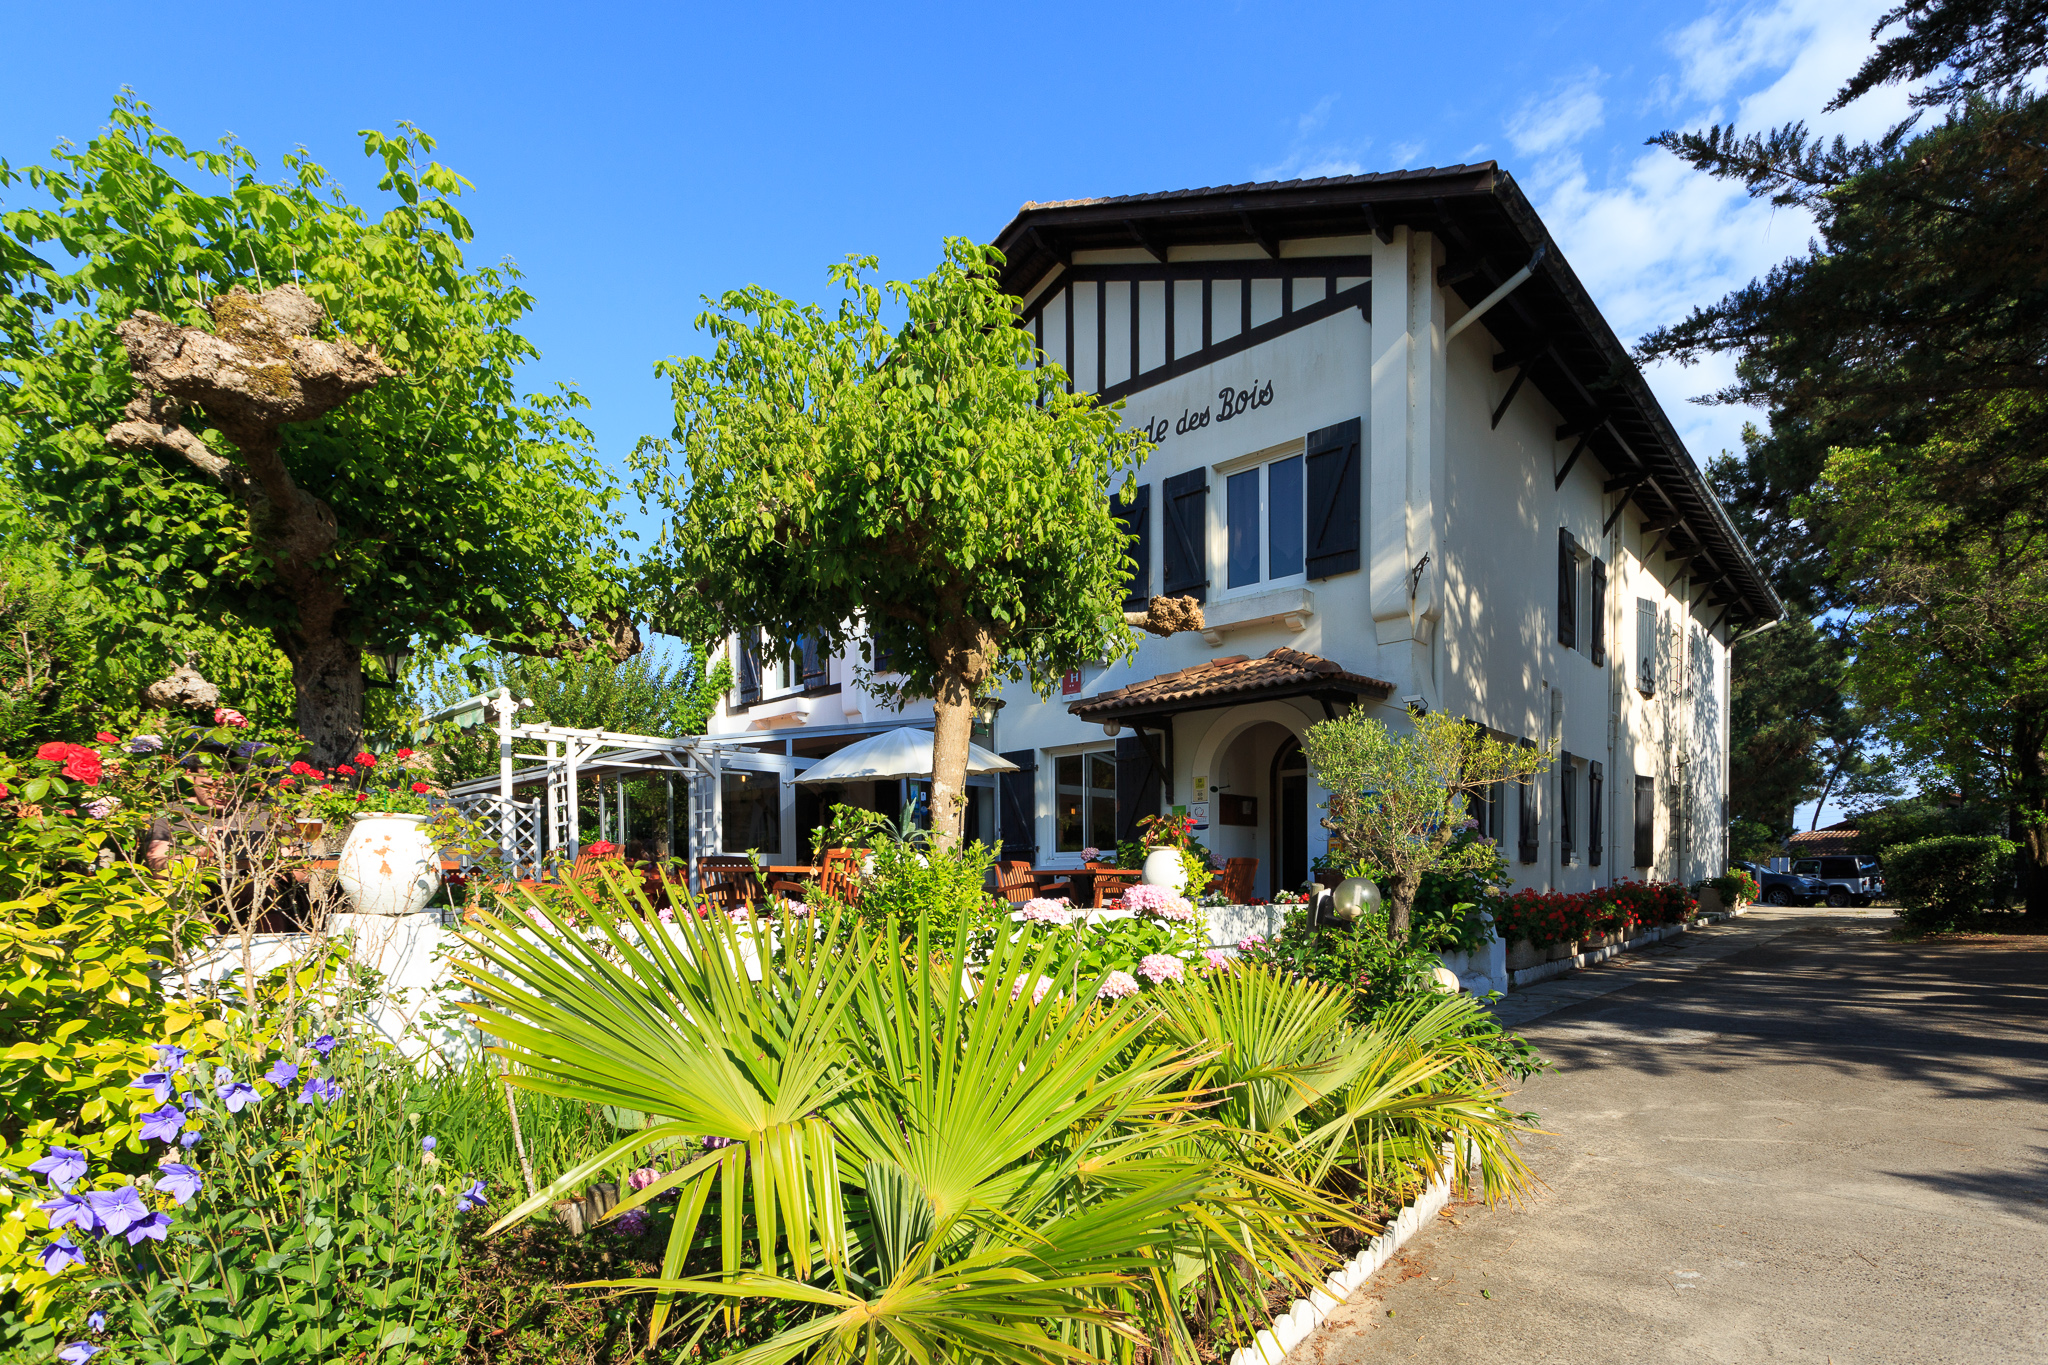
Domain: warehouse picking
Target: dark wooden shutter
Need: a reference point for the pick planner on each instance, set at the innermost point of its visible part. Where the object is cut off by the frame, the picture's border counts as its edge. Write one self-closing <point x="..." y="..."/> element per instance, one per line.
<point x="1139" y="781"/>
<point x="1567" y="781"/>
<point x="1335" y="500"/>
<point x="1184" y="503"/>
<point x="1596" y="613"/>
<point x="1567" y="590"/>
<point x="814" y="662"/>
<point x="1525" y="810"/>
<point x="1136" y="519"/>
<point x="1596" y="790"/>
<point x="1018" y="792"/>
<point x="749" y="651"/>
<point x="1646" y="821"/>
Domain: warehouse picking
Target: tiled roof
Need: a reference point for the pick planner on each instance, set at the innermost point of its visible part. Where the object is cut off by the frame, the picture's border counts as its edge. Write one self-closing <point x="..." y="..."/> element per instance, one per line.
<point x="1155" y="196"/>
<point x="1221" y="682"/>
<point x="1843" y="834"/>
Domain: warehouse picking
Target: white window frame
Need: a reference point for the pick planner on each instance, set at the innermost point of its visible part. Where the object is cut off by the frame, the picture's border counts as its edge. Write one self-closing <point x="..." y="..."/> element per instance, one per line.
<point x="1220" y="520"/>
<point x="1051" y="761"/>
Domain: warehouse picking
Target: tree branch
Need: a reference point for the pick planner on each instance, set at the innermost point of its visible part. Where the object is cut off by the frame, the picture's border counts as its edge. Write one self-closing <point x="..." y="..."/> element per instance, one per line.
<point x="151" y="423"/>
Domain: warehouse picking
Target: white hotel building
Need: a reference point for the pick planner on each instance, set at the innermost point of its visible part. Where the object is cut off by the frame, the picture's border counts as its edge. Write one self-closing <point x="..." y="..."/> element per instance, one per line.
<point x="1404" y="462"/>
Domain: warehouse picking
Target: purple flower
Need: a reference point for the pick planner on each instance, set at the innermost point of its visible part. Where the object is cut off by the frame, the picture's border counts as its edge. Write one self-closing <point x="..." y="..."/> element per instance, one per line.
<point x="78" y="1352"/>
<point x="169" y="1057"/>
<point x="427" y="1143"/>
<point x="60" y="1255"/>
<point x="159" y="1081"/>
<point x="163" y="1124"/>
<point x="322" y="1089"/>
<point x="117" y="1209"/>
<point x="324" y="1044"/>
<point x="633" y="1223"/>
<point x="145" y="744"/>
<point x="472" y="1198"/>
<point x="193" y="1103"/>
<point x="190" y="1139"/>
<point x="71" y="1208"/>
<point x="712" y="1142"/>
<point x="151" y="1228"/>
<point x="237" y="1095"/>
<point x="61" y="1166"/>
<point x="95" y="1321"/>
<point x="179" y="1182"/>
<point x="282" y="1073"/>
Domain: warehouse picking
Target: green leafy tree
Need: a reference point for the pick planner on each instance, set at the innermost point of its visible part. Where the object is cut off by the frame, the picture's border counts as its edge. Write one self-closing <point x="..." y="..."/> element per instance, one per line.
<point x="1787" y="696"/>
<point x="249" y="402"/>
<point x="1398" y="802"/>
<point x="928" y="486"/>
<point x="1952" y="633"/>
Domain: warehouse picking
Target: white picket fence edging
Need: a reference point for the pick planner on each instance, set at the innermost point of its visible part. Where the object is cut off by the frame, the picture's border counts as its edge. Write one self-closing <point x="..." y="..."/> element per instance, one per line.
<point x="1304" y="1316"/>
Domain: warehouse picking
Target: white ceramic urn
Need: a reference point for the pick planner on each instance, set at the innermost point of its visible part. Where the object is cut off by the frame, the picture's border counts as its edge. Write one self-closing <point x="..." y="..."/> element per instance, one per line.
<point x="388" y="865"/>
<point x="1164" y="867"/>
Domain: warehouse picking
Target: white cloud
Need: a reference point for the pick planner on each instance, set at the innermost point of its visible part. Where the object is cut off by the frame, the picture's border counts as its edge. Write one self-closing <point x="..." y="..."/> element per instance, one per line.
<point x="1316" y="117"/>
<point x="1406" y="155"/>
<point x="1560" y="118"/>
<point x="1652" y="237"/>
<point x="1308" y="157"/>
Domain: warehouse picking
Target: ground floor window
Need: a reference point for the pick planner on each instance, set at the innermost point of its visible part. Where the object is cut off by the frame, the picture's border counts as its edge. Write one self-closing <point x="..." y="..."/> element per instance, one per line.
<point x="1084" y="802"/>
<point x="750" y="810"/>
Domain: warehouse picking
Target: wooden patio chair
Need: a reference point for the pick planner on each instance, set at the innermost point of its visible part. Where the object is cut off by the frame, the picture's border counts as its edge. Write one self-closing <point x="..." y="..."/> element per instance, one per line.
<point x="1240" y="875"/>
<point x="841" y="878"/>
<point x="1014" y="881"/>
<point x="727" y="882"/>
<point x="1110" y="883"/>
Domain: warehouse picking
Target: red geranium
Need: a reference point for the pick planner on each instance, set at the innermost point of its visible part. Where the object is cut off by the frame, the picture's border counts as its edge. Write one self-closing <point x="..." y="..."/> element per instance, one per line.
<point x="367" y="759"/>
<point x="420" y="787"/>
<point x="345" y="770"/>
<point x="405" y="753"/>
<point x="301" y="768"/>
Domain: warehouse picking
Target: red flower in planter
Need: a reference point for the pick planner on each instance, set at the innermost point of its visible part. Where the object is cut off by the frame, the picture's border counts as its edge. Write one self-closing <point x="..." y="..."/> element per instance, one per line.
<point x="301" y="768"/>
<point x="345" y="770"/>
<point x="367" y="759"/>
<point x="405" y="753"/>
<point x="420" y="788"/>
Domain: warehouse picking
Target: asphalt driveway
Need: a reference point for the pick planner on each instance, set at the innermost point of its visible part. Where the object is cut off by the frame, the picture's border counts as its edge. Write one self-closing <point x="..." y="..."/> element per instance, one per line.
<point x="1788" y="1139"/>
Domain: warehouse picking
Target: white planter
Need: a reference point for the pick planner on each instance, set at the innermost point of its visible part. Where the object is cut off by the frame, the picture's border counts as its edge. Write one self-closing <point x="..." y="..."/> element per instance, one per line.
<point x="388" y="865"/>
<point x="1163" y="867"/>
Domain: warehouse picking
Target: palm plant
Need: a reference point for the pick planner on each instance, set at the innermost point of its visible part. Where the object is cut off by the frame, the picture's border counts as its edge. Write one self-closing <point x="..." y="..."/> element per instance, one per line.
<point x="929" y="1157"/>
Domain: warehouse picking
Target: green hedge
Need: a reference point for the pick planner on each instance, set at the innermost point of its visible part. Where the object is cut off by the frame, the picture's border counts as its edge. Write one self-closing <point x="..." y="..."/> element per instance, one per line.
<point x="1941" y="882"/>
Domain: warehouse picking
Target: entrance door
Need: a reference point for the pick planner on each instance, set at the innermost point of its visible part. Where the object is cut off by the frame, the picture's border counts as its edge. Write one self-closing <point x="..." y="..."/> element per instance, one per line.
<point x="1290" y="818"/>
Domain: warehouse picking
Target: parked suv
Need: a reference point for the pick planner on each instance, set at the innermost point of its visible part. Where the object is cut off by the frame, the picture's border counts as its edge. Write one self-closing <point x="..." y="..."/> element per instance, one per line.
<point x="1784" y="888"/>
<point x="1849" y="880"/>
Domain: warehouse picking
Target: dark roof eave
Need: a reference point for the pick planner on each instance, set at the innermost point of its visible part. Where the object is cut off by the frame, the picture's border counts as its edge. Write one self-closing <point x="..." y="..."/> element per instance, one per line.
<point x="1134" y="712"/>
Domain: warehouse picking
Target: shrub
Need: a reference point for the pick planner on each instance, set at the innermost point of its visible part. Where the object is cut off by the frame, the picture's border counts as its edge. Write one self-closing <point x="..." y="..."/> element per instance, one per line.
<point x="947" y="885"/>
<point x="1941" y="882"/>
<point x="1732" y="886"/>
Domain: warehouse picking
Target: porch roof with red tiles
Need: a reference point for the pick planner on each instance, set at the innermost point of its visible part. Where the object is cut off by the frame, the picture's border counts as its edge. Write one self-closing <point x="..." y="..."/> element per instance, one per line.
<point x="1228" y="682"/>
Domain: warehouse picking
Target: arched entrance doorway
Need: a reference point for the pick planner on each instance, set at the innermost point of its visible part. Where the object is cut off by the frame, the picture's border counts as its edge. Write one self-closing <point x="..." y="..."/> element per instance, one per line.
<point x="1289" y="825"/>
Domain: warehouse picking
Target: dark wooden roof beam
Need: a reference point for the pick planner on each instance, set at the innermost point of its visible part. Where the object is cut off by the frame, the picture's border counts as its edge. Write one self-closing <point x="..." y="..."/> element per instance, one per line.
<point x="1591" y="422"/>
<point x="1266" y="241"/>
<point x="1146" y="240"/>
<point x="1043" y="241"/>
<point x="1383" y="231"/>
<point x="1515" y="360"/>
<point x="1457" y="272"/>
<point x="1633" y="479"/>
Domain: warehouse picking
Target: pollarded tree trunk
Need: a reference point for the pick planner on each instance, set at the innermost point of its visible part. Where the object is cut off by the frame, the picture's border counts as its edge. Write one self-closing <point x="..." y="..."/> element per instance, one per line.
<point x="259" y="369"/>
<point x="1401" y="907"/>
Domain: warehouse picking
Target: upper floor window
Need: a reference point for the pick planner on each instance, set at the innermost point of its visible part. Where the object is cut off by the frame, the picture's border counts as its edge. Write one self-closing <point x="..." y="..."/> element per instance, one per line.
<point x="1263" y="516"/>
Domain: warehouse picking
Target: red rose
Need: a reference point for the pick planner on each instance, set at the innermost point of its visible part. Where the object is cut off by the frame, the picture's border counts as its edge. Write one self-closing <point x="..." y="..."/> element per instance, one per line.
<point x="345" y="770"/>
<point x="83" y="765"/>
<point x="420" y="787"/>
<point x="104" y="738"/>
<point x="54" y="752"/>
<point x="367" y="759"/>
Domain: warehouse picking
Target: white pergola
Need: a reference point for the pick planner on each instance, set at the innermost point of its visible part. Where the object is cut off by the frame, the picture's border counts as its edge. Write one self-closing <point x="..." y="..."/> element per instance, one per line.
<point x="546" y="824"/>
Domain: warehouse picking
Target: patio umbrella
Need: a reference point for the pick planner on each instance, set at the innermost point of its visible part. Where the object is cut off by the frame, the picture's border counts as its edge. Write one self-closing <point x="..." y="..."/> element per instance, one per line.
<point x="898" y="753"/>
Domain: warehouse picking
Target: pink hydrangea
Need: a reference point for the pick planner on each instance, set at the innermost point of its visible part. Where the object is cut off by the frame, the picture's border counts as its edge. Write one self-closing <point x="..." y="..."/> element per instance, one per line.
<point x="1246" y="945"/>
<point x="1217" y="959"/>
<point x="1160" y="967"/>
<point x="225" y="715"/>
<point x="1146" y="899"/>
<point x="1045" y="983"/>
<point x="1119" y="985"/>
<point x="643" y="1177"/>
<point x="1090" y="854"/>
<point x="1045" y="911"/>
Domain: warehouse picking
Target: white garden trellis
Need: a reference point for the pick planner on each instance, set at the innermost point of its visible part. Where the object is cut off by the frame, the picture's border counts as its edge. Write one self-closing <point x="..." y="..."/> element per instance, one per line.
<point x="544" y="829"/>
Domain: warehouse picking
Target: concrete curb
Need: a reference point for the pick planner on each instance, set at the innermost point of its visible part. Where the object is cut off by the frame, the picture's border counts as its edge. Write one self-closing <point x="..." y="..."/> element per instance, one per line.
<point x="1304" y="1316"/>
<point x="1529" y="976"/>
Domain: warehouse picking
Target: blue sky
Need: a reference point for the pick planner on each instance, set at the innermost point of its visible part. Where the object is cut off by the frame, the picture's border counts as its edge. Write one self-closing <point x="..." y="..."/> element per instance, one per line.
<point x="632" y="158"/>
